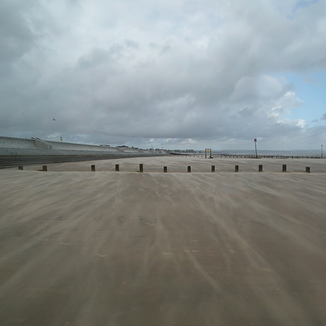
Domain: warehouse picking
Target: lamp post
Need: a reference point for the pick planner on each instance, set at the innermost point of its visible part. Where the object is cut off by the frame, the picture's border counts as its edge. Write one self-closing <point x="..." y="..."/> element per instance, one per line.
<point x="255" y="141"/>
<point x="321" y="152"/>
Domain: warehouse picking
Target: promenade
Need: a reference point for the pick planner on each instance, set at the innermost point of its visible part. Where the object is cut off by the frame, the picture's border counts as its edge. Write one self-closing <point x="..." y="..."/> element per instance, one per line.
<point x="127" y="248"/>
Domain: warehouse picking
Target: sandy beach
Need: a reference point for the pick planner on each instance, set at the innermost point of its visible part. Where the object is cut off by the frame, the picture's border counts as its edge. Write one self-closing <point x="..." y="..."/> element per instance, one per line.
<point x="84" y="248"/>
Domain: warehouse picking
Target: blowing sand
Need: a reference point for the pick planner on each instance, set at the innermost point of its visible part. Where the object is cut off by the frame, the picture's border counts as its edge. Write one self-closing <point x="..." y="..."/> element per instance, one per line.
<point x="124" y="248"/>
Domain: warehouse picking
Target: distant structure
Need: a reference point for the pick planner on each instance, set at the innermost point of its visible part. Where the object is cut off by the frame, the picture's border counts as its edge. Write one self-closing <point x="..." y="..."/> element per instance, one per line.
<point x="208" y="153"/>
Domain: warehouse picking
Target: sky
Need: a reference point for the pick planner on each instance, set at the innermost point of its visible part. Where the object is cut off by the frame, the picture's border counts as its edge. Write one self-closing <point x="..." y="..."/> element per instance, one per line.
<point x="173" y="74"/>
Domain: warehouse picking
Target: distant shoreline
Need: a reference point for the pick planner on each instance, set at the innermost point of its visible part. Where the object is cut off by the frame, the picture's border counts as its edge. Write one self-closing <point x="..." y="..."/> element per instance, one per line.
<point x="249" y="156"/>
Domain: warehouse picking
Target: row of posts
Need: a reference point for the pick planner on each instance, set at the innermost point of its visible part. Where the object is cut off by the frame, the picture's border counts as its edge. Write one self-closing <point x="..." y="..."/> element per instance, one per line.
<point x="165" y="168"/>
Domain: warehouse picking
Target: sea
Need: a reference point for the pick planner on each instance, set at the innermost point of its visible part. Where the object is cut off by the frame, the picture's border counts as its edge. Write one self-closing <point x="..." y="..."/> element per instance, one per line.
<point x="307" y="153"/>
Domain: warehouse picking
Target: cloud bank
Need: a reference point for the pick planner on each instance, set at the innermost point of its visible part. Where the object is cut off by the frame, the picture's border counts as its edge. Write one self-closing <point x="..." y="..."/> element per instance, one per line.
<point x="164" y="73"/>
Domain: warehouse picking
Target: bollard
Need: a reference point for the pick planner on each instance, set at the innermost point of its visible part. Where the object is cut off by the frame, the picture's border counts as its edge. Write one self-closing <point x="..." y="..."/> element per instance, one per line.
<point x="117" y="167"/>
<point x="260" y="168"/>
<point x="189" y="169"/>
<point x="141" y="167"/>
<point x="308" y="169"/>
<point x="20" y="167"/>
<point x="44" y="168"/>
<point x="93" y="168"/>
<point x="165" y="169"/>
<point x="236" y="168"/>
<point x="213" y="168"/>
<point x="284" y="168"/>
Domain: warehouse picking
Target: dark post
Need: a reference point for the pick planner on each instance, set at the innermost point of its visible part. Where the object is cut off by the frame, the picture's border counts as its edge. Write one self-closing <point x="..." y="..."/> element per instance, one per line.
<point x="213" y="168"/>
<point x="93" y="168"/>
<point x="165" y="169"/>
<point x="44" y="168"/>
<point x="141" y="167"/>
<point x="117" y="167"/>
<point x="189" y="169"/>
<point x="308" y="169"/>
<point x="284" y="168"/>
<point x="260" y="168"/>
<point x="20" y="167"/>
<point x="236" y="168"/>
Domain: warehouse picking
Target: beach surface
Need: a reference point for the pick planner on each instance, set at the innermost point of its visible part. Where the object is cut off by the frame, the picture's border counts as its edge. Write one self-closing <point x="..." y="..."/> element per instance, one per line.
<point x="83" y="248"/>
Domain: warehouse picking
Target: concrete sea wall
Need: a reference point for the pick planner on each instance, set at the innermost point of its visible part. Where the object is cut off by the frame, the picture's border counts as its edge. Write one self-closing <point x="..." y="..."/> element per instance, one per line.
<point x="15" y="151"/>
<point x="34" y="146"/>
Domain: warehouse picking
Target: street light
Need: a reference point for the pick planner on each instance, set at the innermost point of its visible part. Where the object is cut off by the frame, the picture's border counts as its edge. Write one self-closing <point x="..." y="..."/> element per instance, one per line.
<point x="255" y="141"/>
<point x="321" y="152"/>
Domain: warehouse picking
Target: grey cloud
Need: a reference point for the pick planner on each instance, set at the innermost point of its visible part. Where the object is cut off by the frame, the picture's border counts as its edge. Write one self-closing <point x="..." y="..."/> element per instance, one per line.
<point x="16" y="37"/>
<point x="134" y="71"/>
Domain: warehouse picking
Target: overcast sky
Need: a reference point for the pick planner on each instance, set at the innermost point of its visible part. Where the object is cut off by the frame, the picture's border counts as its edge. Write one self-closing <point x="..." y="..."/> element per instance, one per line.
<point x="165" y="73"/>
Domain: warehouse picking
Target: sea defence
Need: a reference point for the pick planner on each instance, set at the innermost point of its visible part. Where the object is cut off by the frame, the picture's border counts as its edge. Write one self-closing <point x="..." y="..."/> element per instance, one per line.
<point x="17" y="151"/>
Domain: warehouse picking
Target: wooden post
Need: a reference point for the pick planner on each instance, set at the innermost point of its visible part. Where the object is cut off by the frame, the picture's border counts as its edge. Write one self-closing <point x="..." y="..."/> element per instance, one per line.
<point x="308" y="169"/>
<point x="260" y="168"/>
<point x="117" y="167"/>
<point x="236" y="168"/>
<point x="20" y="167"/>
<point x="44" y="168"/>
<point x="165" y="169"/>
<point x="141" y="168"/>
<point x="284" y="168"/>
<point x="93" y="168"/>
<point x="213" y="168"/>
<point x="189" y="169"/>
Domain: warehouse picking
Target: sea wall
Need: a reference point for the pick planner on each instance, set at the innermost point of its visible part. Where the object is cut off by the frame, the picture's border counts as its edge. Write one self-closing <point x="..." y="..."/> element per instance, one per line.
<point x="36" y="146"/>
<point x="16" y="143"/>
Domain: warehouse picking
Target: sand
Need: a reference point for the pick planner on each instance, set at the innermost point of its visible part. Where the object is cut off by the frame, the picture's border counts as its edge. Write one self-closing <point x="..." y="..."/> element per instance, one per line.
<point x="126" y="248"/>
